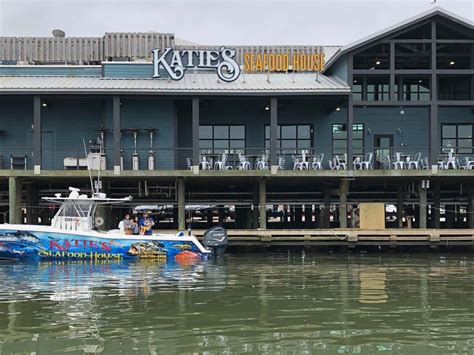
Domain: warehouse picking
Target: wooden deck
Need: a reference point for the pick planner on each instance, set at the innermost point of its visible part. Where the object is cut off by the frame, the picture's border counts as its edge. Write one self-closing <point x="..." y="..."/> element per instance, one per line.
<point x="349" y="237"/>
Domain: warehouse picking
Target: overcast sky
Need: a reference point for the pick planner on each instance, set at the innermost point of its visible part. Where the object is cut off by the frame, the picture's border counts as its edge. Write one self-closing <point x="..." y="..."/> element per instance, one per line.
<point x="316" y="22"/>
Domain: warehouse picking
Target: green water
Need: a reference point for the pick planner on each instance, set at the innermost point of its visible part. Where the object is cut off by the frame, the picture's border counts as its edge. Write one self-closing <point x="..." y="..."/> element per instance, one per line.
<point x="256" y="303"/>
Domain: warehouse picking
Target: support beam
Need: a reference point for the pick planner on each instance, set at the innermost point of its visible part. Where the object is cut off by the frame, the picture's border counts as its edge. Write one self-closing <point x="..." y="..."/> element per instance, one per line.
<point x="434" y="135"/>
<point x="32" y="199"/>
<point x="117" y="134"/>
<point x="273" y="133"/>
<point x="343" y="192"/>
<point x="400" y="211"/>
<point x="262" y="203"/>
<point x="37" y="135"/>
<point x="422" y="208"/>
<point x="350" y="114"/>
<point x="255" y="203"/>
<point x="325" y="217"/>
<point x="195" y="133"/>
<point x="470" y="209"/>
<point x="181" y="204"/>
<point x="14" y="200"/>
<point x="392" y="72"/>
<point x="436" y="205"/>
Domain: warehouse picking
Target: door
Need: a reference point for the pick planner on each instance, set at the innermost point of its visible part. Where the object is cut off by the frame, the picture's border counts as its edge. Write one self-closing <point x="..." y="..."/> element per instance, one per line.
<point x="383" y="147"/>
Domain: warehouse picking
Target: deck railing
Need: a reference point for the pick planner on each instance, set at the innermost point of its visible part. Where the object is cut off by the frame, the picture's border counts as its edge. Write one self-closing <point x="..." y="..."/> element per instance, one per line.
<point x="256" y="158"/>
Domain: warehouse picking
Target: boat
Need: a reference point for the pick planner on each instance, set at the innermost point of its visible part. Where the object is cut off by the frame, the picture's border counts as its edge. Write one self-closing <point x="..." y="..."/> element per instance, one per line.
<point x="72" y="236"/>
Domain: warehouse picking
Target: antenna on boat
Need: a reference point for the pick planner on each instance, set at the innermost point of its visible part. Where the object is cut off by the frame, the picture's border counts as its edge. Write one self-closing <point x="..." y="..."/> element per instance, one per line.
<point x="88" y="165"/>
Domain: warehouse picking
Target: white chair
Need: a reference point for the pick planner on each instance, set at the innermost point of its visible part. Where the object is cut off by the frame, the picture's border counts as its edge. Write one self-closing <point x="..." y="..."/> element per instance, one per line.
<point x="398" y="163"/>
<point x="367" y="163"/>
<point x="189" y="164"/>
<point x="451" y="162"/>
<point x="357" y="163"/>
<point x="469" y="163"/>
<point x="304" y="161"/>
<point x="244" y="164"/>
<point x="341" y="162"/>
<point x="415" y="163"/>
<point x="262" y="163"/>
<point x="205" y="164"/>
<point x="281" y="163"/>
<point x="296" y="163"/>
<point x="222" y="164"/>
<point x="318" y="162"/>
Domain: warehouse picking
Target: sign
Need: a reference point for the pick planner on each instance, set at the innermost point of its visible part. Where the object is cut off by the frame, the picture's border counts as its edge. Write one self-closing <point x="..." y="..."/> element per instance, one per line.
<point x="177" y="62"/>
<point x="283" y="62"/>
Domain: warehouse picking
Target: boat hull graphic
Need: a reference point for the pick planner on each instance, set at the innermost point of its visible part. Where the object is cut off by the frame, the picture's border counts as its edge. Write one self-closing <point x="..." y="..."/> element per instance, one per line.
<point x="39" y="242"/>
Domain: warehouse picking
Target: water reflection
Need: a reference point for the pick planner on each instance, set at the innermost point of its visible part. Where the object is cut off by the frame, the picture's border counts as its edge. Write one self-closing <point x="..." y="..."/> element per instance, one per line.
<point x="265" y="303"/>
<point x="372" y="286"/>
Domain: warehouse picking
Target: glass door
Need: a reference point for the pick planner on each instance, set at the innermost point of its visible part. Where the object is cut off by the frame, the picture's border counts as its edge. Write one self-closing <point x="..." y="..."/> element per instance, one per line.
<point x="383" y="146"/>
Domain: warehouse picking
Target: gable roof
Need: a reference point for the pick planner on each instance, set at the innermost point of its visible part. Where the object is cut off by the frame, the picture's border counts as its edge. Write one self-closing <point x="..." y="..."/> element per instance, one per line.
<point x="435" y="11"/>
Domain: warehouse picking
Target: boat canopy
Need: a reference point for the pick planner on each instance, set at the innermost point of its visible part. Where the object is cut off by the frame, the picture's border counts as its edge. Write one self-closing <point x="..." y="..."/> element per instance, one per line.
<point x="77" y="212"/>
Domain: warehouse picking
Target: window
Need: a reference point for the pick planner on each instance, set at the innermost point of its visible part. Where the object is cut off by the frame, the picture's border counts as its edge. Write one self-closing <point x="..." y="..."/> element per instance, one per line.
<point x="376" y="57"/>
<point x="420" y="32"/>
<point x="454" y="88"/>
<point x="453" y="31"/>
<point x="412" y="88"/>
<point x="291" y="138"/>
<point x="339" y="138"/>
<point x="357" y="84"/>
<point x="222" y="139"/>
<point x="378" y="89"/>
<point x="457" y="138"/>
<point x="454" y="56"/>
<point x="412" y="56"/>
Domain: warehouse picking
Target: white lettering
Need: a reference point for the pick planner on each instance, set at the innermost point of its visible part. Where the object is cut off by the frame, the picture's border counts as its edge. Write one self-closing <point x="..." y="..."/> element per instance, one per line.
<point x="171" y="61"/>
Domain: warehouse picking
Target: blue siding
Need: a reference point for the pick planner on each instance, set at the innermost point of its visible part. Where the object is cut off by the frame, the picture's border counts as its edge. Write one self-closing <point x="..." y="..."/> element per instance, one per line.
<point x="66" y="122"/>
<point x="410" y="129"/>
<point x="144" y="113"/>
<point x="16" y="118"/>
<point x="339" y="68"/>
<point x="42" y="70"/>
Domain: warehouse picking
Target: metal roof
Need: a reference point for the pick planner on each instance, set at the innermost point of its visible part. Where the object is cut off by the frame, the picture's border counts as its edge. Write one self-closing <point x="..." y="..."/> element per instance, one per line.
<point x="398" y="26"/>
<point x="198" y="83"/>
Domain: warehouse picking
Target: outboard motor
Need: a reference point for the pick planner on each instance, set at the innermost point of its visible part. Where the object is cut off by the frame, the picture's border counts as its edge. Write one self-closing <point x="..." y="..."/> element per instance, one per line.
<point x="216" y="240"/>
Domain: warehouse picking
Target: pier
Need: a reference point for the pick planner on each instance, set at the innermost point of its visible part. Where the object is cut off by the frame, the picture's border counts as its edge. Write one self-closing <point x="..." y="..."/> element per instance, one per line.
<point x="349" y="237"/>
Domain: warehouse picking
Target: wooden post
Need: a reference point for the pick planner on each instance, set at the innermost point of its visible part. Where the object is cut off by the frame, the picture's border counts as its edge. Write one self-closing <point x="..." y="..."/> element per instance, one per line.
<point x="117" y="133"/>
<point x="343" y="191"/>
<point x="436" y="205"/>
<point x="14" y="200"/>
<point x="470" y="209"/>
<point x="400" y="206"/>
<point x="262" y="202"/>
<point x="181" y="205"/>
<point x="422" y="209"/>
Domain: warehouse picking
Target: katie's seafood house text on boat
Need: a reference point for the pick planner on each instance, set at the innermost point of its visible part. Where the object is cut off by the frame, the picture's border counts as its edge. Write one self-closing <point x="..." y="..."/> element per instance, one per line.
<point x="249" y="137"/>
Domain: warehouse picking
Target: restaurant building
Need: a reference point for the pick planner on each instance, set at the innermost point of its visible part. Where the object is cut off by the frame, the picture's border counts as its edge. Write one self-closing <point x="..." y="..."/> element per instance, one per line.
<point x="388" y="118"/>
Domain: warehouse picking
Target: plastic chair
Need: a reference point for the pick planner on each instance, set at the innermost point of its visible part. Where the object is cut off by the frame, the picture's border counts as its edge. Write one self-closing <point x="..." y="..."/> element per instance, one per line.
<point x="415" y="163"/>
<point x="398" y="163"/>
<point x="189" y="164"/>
<point x="244" y="164"/>
<point x="262" y="163"/>
<point x="296" y="163"/>
<point x="367" y="163"/>
<point x="318" y="162"/>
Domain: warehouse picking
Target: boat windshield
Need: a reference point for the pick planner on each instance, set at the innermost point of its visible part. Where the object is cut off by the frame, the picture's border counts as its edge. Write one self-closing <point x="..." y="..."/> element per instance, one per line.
<point x="75" y="215"/>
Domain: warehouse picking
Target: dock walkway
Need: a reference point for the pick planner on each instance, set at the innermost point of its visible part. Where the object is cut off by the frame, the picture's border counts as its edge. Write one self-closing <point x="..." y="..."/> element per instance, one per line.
<point x="349" y="237"/>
